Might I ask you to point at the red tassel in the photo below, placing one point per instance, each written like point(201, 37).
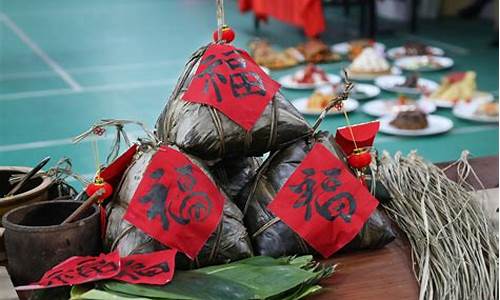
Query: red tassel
point(102, 211)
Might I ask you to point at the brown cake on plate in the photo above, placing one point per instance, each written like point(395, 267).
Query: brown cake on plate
point(410, 120)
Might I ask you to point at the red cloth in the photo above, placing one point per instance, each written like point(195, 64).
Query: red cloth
point(307, 14)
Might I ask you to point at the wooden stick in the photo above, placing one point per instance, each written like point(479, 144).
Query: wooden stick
point(83, 207)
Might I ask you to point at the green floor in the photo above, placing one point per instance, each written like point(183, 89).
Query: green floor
point(66, 63)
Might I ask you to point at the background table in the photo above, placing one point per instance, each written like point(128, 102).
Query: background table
point(387, 273)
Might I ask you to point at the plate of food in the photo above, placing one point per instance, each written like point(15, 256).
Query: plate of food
point(486, 112)
point(383, 107)
point(411, 84)
point(363, 91)
point(424, 63)
point(314, 105)
point(458, 87)
point(354, 47)
point(315, 51)
point(266, 56)
point(414, 49)
point(368, 65)
point(414, 123)
point(309, 77)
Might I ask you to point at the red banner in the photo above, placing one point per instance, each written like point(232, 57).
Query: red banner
point(115, 170)
point(228, 79)
point(323, 202)
point(81, 269)
point(149, 268)
point(176, 203)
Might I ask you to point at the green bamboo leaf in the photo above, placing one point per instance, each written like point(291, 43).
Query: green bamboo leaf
point(253, 278)
point(96, 294)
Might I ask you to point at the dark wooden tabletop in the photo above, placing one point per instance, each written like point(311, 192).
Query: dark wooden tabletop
point(387, 273)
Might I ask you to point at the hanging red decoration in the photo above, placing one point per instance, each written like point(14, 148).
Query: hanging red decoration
point(228, 34)
point(360, 158)
point(96, 186)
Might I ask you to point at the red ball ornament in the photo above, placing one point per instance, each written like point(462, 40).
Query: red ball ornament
point(360, 158)
point(96, 186)
point(227, 34)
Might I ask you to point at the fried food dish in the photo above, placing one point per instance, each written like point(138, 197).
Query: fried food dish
point(488, 109)
point(456, 87)
point(315, 51)
point(266, 56)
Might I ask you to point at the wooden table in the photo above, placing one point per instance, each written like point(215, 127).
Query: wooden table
point(387, 273)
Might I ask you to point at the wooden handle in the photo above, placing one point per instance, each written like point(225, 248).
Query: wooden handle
point(83, 207)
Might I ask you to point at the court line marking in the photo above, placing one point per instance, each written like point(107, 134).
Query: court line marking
point(469, 129)
point(133, 134)
point(136, 133)
point(90, 70)
point(32, 95)
point(451, 47)
point(38, 51)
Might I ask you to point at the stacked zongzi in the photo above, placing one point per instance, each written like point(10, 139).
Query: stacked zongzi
point(228, 242)
point(204, 131)
point(271, 236)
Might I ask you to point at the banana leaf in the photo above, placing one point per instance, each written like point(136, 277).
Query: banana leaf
point(228, 243)
point(205, 132)
point(275, 238)
point(252, 278)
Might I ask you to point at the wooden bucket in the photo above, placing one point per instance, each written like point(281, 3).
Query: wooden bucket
point(36, 189)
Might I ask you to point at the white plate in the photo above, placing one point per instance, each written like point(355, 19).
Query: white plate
point(383, 107)
point(368, 77)
point(287, 82)
point(437, 124)
point(265, 69)
point(467, 111)
point(369, 91)
point(478, 96)
point(345, 47)
point(398, 52)
point(413, 63)
point(390, 83)
point(301, 105)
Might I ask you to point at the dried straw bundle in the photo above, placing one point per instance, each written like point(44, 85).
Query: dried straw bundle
point(454, 247)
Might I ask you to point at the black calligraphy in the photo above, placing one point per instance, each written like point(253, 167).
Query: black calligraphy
point(157, 196)
point(341, 205)
point(305, 189)
point(134, 270)
point(242, 81)
point(195, 205)
point(86, 269)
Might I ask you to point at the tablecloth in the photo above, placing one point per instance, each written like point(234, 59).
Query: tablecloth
point(306, 14)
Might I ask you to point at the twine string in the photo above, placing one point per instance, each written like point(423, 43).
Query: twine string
point(220, 18)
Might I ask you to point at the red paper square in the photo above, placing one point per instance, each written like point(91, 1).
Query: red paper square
point(228, 79)
point(176, 203)
point(323, 202)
